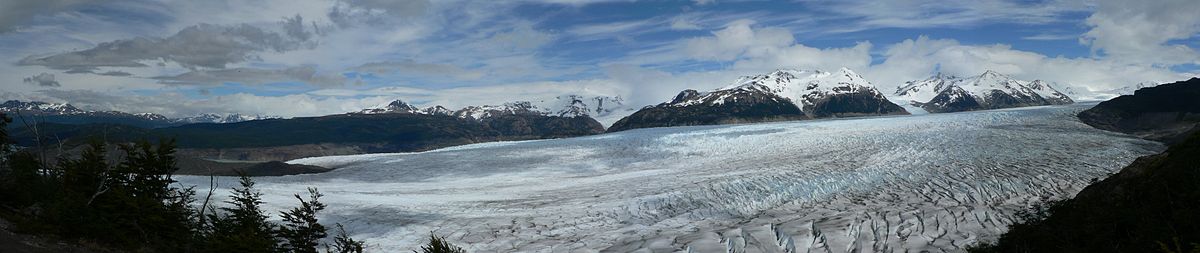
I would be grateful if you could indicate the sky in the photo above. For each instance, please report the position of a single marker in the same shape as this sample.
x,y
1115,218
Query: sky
x,y
317,57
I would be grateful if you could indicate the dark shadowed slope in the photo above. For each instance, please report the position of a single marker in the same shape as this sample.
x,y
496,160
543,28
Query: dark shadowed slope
x,y
1167,112
1154,200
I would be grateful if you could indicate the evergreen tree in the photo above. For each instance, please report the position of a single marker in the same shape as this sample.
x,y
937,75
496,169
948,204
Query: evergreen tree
x,y
83,206
21,182
300,230
244,227
439,245
342,243
4,141
132,204
142,182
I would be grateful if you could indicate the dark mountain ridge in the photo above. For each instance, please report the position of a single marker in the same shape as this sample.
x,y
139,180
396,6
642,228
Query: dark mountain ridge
x,y
1167,113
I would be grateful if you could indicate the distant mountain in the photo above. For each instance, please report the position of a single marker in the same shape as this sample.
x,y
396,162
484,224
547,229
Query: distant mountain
x,y
39,108
1167,112
67,114
779,95
597,107
396,106
219,118
1127,90
606,109
34,111
990,90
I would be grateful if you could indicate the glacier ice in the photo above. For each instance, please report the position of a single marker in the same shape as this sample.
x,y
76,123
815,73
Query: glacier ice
x,y
936,182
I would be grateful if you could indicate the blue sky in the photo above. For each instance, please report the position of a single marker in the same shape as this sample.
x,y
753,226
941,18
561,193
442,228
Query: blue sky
x,y
315,57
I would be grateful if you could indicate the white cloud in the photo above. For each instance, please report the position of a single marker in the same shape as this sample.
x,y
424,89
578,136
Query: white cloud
x,y
681,23
43,79
1141,31
203,45
735,40
1049,36
16,13
177,105
413,68
608,30
254,76
865,14
917,59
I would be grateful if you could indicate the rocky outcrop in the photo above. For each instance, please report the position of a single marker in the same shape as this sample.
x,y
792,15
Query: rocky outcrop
x,y
742,106
1149,206
1167,112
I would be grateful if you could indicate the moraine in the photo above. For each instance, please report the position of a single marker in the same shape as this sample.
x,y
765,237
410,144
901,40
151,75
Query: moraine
x,y
927,182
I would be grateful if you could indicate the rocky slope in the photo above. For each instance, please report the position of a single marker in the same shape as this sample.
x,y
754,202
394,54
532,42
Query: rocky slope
x,y
779,95
990,90
1168,112
1149,206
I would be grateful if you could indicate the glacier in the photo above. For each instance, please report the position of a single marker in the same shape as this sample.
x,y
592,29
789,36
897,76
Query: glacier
x,y
932,182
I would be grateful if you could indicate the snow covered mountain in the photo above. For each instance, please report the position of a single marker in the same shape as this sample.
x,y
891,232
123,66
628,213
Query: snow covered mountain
x,y
821,94
483,112
568,106
40,108
396,106
64,113
480,112
779,95
1129,90
220,118
577,105
990,90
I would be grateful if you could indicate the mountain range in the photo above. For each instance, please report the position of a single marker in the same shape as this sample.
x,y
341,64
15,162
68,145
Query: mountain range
x,y
784,94
394,127
399,126
990,90
64,113
601,108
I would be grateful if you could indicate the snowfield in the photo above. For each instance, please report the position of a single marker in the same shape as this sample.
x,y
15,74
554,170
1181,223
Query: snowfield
x,y
935,182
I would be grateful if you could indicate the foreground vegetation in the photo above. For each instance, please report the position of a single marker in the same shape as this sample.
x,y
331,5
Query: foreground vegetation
x,y
131,205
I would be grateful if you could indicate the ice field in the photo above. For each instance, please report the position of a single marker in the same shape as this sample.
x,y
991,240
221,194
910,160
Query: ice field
x,y
935,182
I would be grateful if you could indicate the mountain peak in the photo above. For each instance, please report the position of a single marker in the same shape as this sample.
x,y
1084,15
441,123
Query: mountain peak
x,y
993,74
846,70
396,106
801,87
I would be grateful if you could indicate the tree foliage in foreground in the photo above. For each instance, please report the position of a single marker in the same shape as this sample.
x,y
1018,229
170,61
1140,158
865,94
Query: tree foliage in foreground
x,y
127,201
